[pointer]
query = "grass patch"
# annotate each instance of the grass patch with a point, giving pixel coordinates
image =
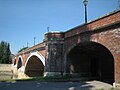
(50, 78)
(108, 89)
(57, 78)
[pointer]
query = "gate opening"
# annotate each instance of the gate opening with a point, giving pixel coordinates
(19, 65)
(34, 67)
(91, 60)
(14, 62)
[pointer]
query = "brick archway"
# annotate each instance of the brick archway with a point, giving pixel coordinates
(35, 64)
(91, 60)
(20, 62)
(14, 61)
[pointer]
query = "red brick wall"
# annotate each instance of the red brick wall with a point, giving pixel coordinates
(103, 21)
(111, 40)
(105, 30)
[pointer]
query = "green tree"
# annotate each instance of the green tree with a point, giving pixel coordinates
(0, 53)
(8, 53)
(5, 52)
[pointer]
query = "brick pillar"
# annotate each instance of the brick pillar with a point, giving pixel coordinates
(54, 56)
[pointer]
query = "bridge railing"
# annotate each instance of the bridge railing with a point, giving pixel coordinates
(39, 46)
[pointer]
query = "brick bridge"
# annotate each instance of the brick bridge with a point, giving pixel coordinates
(89, 50)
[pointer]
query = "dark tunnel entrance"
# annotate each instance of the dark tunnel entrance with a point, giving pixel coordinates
(14, 62)
(19, 65)
(34, 67)
(91, 60)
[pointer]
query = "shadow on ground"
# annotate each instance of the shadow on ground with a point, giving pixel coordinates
(37, 85)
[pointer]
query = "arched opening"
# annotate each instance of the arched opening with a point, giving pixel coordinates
(14, 62)
(19, 64)
(34, 67)
(91, 60)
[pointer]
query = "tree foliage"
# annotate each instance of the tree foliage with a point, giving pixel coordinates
(5, 52)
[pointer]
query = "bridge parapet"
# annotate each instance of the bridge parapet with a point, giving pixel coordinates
(54, 36)
(40, 46)
(104, 21)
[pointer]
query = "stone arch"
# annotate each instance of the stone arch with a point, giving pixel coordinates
(14, 61)
(20, 62)
(91, 60)
(34, 66)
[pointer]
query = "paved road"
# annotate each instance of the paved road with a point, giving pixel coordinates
(36, 85)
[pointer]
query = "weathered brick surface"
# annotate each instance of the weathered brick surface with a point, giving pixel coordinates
(105, 31)
(111, 40)
(103, 21)
(54, 52)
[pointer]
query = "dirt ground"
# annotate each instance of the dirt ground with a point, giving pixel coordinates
(5, 72)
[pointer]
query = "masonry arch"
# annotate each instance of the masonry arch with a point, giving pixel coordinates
(14, 61)
(91, 60)
(34, 66)
(20, 61)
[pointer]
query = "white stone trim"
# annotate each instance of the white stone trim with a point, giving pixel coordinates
(37, 54)
(22, 69)
(21, 59)
(15, 65)
(116, 86)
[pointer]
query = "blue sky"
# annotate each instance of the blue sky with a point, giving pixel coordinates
(22, 20)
